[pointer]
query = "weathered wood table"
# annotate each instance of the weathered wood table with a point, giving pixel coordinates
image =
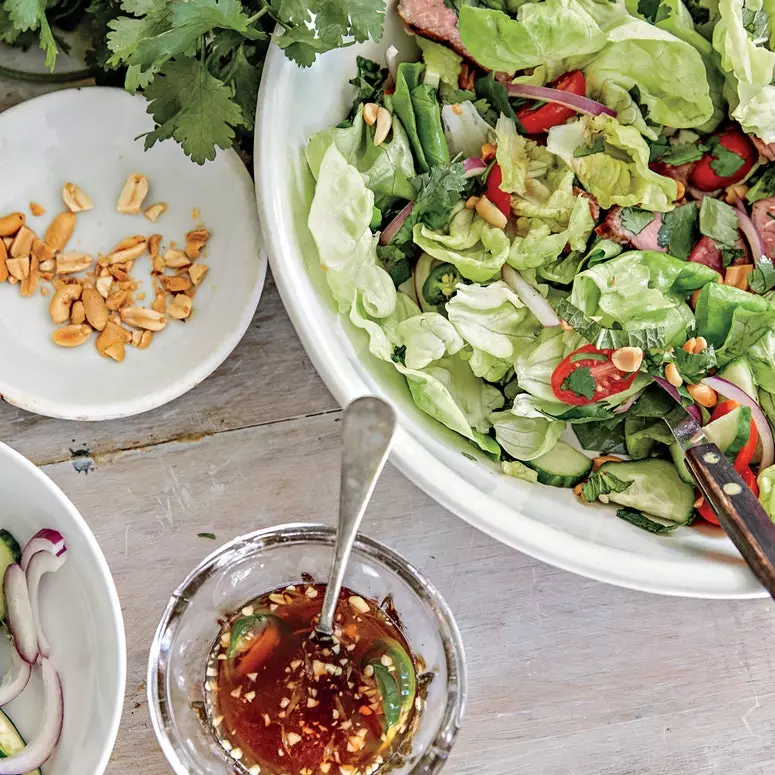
(567, 676)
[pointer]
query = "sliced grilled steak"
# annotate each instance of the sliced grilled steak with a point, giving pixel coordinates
(646, 239)
(763, 217)
(594, 207)
(765, 151)
(433, 19)
(707, 252)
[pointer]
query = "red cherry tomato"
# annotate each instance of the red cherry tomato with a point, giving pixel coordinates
(501, 199)
(542, 119)
(705, 178)
(607, 379)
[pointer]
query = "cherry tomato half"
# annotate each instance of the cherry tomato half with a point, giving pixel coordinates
(600, 380)
(542, 119)
(703, 175)
(501, 199)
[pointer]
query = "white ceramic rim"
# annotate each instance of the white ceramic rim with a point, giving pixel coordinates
(157, 397)
(415, 460)
(110, 586)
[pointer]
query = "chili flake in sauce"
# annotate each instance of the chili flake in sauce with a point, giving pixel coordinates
(282, 701)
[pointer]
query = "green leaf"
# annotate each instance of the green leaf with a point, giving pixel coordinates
(496, 94)
(762, 279)
(636, 220)
(725, 162)
(601, 483)
(194, 107)
(603, 436)
(581, 382)
(693, 367)
(678, 233)
(31, 15)
(677, 155)
(302, 45)
(730, 255)
(211, 536)
(370, 84)
(519, 470)
(719, 222)
(762, 185)
(295, 12)
(596, 146)
(639, 519)
(653, 10)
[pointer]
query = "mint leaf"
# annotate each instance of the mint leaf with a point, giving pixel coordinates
(719, 222)
(683, 154)
(597, 146)
(679, 233)
(694, 367)
(636, 220)
(581, 382)
(194, 107)
(762, 279)
(601, 483)
(639, 519)
(725, 162)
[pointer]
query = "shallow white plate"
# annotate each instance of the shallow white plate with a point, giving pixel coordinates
(88, 136)
(545, 522)
(82, 618)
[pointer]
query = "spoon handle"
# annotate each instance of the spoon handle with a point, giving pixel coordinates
(367, 430)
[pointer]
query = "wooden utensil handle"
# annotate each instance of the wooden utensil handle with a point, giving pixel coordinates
(738, 509)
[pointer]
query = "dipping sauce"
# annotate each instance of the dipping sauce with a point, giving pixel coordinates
(284, 701)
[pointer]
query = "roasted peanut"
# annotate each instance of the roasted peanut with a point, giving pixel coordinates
(3, 267)
(60, 230)
(701, 344)
(145, 340)
(180, 307)
(175, 284)
(95, 308)
(195, 241)
(703, 395)
(159, 304)
(672, 375)
(197, 272)
(176, 259)
(128, 254)
(153, 244)
(110, 342)
(471, 202)
(62, 300)
(18, 268)
(627, 359)
(77, 313)
(36, 209)
(10, 224)
(42, 252)
(71, 336)
(680, 190)
(690, 345)
(131, 198)
(598, 461)
(370, 113)
(103, 286)
(154, 212)
(30, 283)
(491, 213)
(22, 242)
(117, 300)
(69, 263)
(384, 125)
(141, 317)
(75, 198)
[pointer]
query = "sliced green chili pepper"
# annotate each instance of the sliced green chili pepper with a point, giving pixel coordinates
(391, 697)
(441, 283)
(404, 668)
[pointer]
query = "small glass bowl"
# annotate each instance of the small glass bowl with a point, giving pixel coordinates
(259, 562)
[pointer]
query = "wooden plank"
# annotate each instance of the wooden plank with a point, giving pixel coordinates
(267, 378)
(567, 676)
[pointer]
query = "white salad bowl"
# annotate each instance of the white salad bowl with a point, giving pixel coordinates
(81, 618)
(544, 522)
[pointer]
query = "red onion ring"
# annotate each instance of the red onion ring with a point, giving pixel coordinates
(40, 564)
(729, 390)
(474, 166)
(39, 750)
(391, 60)
(573, 101)
(16, 679)
(19, 613)
(751, 234)
(392, 228)
(627, 405)
(530, 297)
(693, 409)
(46, 540)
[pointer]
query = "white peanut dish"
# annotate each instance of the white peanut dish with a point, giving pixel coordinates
(97, 293)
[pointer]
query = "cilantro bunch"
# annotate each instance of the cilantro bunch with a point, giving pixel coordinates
(199, 61)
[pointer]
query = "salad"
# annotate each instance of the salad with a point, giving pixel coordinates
(562, 211)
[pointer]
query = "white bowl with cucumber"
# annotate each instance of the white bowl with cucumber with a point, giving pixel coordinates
(63, 657)
(470, 374)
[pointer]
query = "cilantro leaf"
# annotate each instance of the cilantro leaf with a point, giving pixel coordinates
(601, 483)
(762, 279)
(597, 146)
(730, 255)
(658, 147)
(581, 382)
(191, 105)
(693, 367)
(31, 15)
(653, 10)
(676, 155)
(399, 354)
(639, 519)
(679, 232)
(725, 162)
(370, 85)
(244, 77)
(636, 220)
(719, 222)
(762, 185)
(395, 261)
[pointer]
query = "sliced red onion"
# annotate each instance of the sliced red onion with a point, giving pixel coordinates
(729, 390)
(16, 679)
(530, 297)
(40, 564)
(19, 613)
(693, 409)
(474, 166)
(46, 540)
(391, 60)
(625, 406)
(38, 751)
(392, 228)
(751, 234)
(573, 101)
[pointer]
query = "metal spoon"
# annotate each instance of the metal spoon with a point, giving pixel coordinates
(367, 430)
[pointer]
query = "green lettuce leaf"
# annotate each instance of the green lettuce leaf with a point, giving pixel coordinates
(761, 356)
(477, 249)
(542, 32)
(427, 338)
(442, 64)
(387, 169)
(535, 364)
(339, 219)
(766, 482)
(512, 156)
(525, 438)
(621, 175)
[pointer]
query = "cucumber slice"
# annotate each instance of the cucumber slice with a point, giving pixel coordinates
(10, 552)
(739, 373)
(561, 466)
(656, 488)
(11, 742)
(730, 432)
(679, 460)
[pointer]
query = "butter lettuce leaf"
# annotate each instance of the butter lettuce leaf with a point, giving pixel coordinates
(427, 338)
(525, 438)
